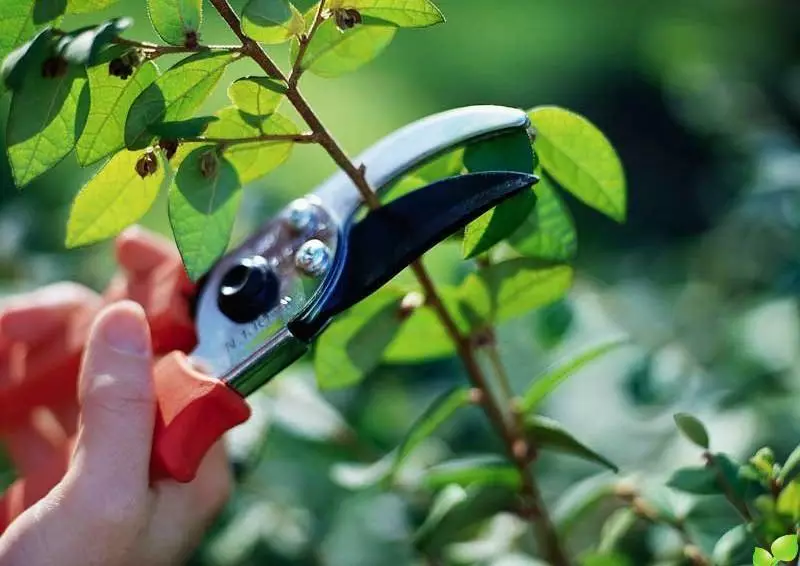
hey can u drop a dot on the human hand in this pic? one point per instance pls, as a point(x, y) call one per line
point(102, 510)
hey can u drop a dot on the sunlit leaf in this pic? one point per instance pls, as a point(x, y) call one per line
point(202, 209)
point(549, 382)
point(435, 416)
point(332, 53)
point(472, 470)
point(175, 20)
point(272, 21)
point(46, 118)
point(88, 6)
point(27, 59)
point(20, 20)
point(521, 285)
point(549, 232)
point(785, 548)
point(547, 434)
point(449, 164)
point(402, 187)
point(510, 152)
point(401, 13)
point(456, 510)
point(788, 503)
point(111, 99)
point(577, 155)
point(353, 345)
point(175, 95)
point(116, 197)
point(258, 96)
point(255, 159)
point(762, 557)
point(693, 429)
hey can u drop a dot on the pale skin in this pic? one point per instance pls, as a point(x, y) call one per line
point(104, 510)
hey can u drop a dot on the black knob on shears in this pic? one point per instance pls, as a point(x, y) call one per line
point(248, 290)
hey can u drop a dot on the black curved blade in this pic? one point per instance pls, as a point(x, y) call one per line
point(390, 238)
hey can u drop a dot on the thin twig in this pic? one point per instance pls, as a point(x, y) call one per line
point(305, 40)
point(543, 528)
point(153, 50)
point(730, 495)
point(296, 138)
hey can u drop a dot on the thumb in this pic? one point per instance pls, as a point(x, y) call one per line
point(117, 400)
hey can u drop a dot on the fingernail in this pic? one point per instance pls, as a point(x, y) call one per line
point(123, 327)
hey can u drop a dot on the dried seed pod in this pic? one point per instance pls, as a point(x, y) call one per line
point(119, 68)
point(147, 164)
point(54, 67)
point(209, 164)
point(170, 147)
point(347, 18)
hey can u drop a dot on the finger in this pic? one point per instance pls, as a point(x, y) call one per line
point(140, 251)
point(117, 400)
point(31, 317)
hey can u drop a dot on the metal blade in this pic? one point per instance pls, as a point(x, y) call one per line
point(390, 238)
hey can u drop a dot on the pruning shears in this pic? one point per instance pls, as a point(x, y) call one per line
point(258, 309)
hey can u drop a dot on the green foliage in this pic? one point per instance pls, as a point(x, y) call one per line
point(259, 96)
point(400, 13)
point(116, 197)
point(693, 429)
point(512, 152)
point(471, 470)
point(581, 159)
point(203, 200)
point(177, 22)
point(22, 19)
point(547, 434)
point(272, 21)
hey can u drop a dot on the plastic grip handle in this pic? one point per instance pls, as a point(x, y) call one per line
point(193, 412)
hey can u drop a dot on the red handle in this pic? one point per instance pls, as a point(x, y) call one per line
point(193, 412)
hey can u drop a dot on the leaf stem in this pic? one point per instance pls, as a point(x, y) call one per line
point(296, 138)
point(543, 527)
point(154, 50)
point(304, 40)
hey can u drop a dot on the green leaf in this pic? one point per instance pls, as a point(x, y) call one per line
point(577, 155)
point(762, 557)
point(253, 160)
point(272, 21)
point(191, 128)
point(785, 548)
point(46, 118)
point(20, 20)
point(400, 13)
point(259, 96)
point(88, 6)
point(734, 547)
point(116, 197)
point(547, 383)
point(472, 470)
point(202, 210)
point(581, 498)
point(742, 486)
point(27, 59)
point(354, 344)
point(605, 559)
point(111, 99)
point(456, 510)
point(549, 233)
point(510, 152)
point(401, 188)
point(360, 476)
point(693, 429)
point(547, 434)
point(521, 285)
point(332, 53)
point(175, 95)
point(448, 164)
point(83, 47)
point(788, 503)
point(791, 467)
point(436, 415)
point(173, 20)
point(615, 528)
point(699, 481)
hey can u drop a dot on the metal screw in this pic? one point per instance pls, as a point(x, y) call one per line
point(300, 215)
point(313, 258)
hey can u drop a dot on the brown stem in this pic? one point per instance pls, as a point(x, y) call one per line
point(297, 68)
point(544, 530)
point(296, 138)
point(154, 50)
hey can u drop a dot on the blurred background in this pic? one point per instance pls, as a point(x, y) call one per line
point(702, 100)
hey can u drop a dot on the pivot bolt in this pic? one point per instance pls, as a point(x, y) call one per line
point(301, 215)
point(313, 258)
